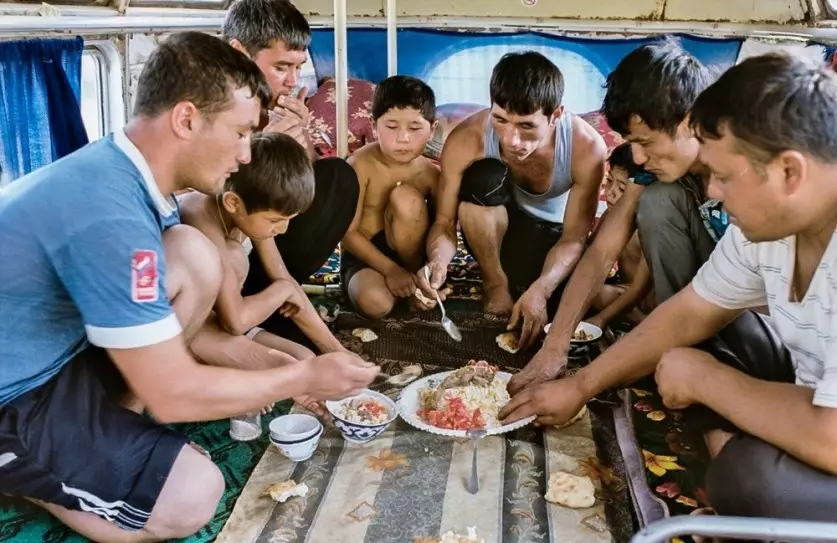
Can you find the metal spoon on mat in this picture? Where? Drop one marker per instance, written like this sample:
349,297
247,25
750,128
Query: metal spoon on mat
447,324
474,482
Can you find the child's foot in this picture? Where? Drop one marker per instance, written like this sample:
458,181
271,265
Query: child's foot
700,538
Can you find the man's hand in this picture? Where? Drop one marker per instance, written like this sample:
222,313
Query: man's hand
553,403
544,366
531,309
334,376
400,283
679,375
290,117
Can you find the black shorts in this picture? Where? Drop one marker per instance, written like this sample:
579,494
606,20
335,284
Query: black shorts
69,443
527,241
350,264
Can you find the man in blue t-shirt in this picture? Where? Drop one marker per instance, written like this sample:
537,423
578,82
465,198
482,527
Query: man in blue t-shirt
101,290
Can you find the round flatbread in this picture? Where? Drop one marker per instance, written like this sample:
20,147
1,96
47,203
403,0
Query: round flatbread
570,490
576,418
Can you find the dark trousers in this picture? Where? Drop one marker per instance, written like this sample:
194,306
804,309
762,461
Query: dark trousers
312,236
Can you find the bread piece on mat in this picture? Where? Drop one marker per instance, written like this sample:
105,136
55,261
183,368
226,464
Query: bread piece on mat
570,490
282,492
365,334
471,537
509,342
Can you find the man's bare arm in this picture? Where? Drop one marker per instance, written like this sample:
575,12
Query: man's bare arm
804,430
177,389
613,235
307,318
588,173
459,150
684,320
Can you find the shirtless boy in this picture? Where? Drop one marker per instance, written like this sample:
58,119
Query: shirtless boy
257,203
384,246
631,298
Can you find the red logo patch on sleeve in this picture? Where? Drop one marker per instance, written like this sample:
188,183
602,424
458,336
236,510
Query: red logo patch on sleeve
145,277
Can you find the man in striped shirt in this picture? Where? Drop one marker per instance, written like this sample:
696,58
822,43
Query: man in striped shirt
768,405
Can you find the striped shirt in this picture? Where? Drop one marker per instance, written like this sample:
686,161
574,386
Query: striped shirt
741,274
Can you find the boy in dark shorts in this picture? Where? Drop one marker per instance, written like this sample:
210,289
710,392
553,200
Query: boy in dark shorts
384,246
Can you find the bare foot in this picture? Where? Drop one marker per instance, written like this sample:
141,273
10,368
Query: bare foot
498,301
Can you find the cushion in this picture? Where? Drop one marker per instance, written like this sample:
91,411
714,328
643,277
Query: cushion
322,123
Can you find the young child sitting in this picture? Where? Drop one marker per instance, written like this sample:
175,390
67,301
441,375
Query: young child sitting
256,205
384,246
632,299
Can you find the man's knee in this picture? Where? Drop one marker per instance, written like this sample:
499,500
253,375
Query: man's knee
192,261
341,178
660,201
406,203
484,183
189,498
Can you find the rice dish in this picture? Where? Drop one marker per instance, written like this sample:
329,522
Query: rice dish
364,411
471,397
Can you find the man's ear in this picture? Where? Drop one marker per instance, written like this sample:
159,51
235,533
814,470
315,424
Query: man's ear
239,46
556,115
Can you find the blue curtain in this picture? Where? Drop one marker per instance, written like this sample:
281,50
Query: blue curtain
40,93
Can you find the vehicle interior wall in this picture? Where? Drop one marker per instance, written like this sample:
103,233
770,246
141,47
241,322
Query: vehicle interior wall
112,62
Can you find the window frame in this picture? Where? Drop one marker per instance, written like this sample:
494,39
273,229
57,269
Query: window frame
101,87
111,89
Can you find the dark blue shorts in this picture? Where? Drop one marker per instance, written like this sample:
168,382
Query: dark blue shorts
70,443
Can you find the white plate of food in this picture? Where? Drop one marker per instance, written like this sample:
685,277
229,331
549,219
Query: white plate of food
452,402
584,333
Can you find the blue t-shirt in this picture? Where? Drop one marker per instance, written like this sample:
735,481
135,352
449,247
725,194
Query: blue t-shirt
82,260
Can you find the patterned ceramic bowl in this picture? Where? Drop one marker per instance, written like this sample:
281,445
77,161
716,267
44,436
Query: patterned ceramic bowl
357,432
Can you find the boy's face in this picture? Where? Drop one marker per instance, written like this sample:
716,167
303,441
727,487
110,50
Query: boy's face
617,180
668,158
259,225
403,134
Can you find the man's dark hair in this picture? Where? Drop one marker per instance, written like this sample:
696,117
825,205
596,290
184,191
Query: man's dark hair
197,68
279,176
773,103
257,24
402,92
658,82
623,157
525,83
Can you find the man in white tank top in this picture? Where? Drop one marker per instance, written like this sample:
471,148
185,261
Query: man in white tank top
767,403
507,172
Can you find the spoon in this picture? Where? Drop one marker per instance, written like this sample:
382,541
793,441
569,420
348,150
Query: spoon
447,324
475,434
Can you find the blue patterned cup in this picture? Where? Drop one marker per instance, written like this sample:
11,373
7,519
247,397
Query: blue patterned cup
296,435
358,432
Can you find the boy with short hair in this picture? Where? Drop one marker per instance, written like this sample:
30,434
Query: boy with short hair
384,246
257,203
630,299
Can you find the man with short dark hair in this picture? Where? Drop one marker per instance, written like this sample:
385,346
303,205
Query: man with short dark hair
648,99
275,35
768,409
507,173
104,291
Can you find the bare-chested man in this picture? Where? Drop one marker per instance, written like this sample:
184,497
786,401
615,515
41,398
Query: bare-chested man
524,178
384,247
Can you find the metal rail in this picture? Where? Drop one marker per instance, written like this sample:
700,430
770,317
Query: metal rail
737,528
